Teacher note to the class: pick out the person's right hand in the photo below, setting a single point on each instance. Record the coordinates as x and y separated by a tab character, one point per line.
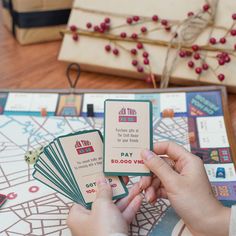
187	187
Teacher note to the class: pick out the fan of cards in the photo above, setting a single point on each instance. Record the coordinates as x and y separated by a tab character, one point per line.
72	163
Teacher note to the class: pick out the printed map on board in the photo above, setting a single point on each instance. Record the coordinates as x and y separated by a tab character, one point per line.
34	209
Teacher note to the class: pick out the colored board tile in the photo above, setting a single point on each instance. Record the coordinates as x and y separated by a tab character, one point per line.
208	155
154	98
30	103
174	101
213	171
69	105
97	99
204	103
212	132
213	155
3	100
192	131
224	190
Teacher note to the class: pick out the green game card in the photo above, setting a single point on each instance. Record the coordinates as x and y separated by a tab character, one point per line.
127	131
72	163
51	181
83	155
57	158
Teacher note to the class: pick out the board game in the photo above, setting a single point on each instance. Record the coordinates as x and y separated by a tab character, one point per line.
196	118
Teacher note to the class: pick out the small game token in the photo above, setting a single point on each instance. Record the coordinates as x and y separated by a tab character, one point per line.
43	112
215	156
168	113
32	156
3	199
220	172
90	110
192	137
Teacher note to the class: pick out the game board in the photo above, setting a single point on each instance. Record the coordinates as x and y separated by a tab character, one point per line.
199	123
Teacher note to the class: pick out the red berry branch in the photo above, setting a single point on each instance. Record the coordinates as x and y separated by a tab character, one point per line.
195	55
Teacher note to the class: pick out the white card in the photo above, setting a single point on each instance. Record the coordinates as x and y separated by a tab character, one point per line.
32	102
212	132
175	101
128	131
97	99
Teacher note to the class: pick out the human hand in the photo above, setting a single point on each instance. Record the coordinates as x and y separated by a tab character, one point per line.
187	187
105	218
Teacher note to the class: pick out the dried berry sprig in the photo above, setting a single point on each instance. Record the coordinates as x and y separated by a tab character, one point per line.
139	58
155	42
194	52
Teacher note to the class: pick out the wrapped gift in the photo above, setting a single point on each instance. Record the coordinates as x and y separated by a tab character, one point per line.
36	21
186	41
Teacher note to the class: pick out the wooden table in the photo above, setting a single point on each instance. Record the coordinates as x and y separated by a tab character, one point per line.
36	66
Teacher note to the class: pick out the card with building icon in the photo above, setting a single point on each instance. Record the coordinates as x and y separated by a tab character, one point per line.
71	164
127	131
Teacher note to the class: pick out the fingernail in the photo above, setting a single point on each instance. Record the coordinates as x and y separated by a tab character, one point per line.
147	154
101	181
148	199
140	187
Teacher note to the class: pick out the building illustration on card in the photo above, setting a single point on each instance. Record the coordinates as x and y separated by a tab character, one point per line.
83	147
127	115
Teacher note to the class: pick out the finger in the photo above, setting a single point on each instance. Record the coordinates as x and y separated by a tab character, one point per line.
104	190
173	150
125	179
77	215
161	193
77	208
145	182
131	210
159	167
151	192
169	161
124	202
156	183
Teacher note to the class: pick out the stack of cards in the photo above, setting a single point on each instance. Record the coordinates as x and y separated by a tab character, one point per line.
71	164
127	131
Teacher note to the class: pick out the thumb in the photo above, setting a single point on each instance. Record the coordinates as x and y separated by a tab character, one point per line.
77	215
159	167
104	190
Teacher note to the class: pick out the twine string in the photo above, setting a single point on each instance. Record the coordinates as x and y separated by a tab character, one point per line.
188	32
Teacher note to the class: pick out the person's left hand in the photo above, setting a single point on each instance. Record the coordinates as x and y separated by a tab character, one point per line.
105	218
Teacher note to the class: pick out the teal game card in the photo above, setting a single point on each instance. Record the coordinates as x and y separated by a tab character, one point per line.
127	131
71	164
